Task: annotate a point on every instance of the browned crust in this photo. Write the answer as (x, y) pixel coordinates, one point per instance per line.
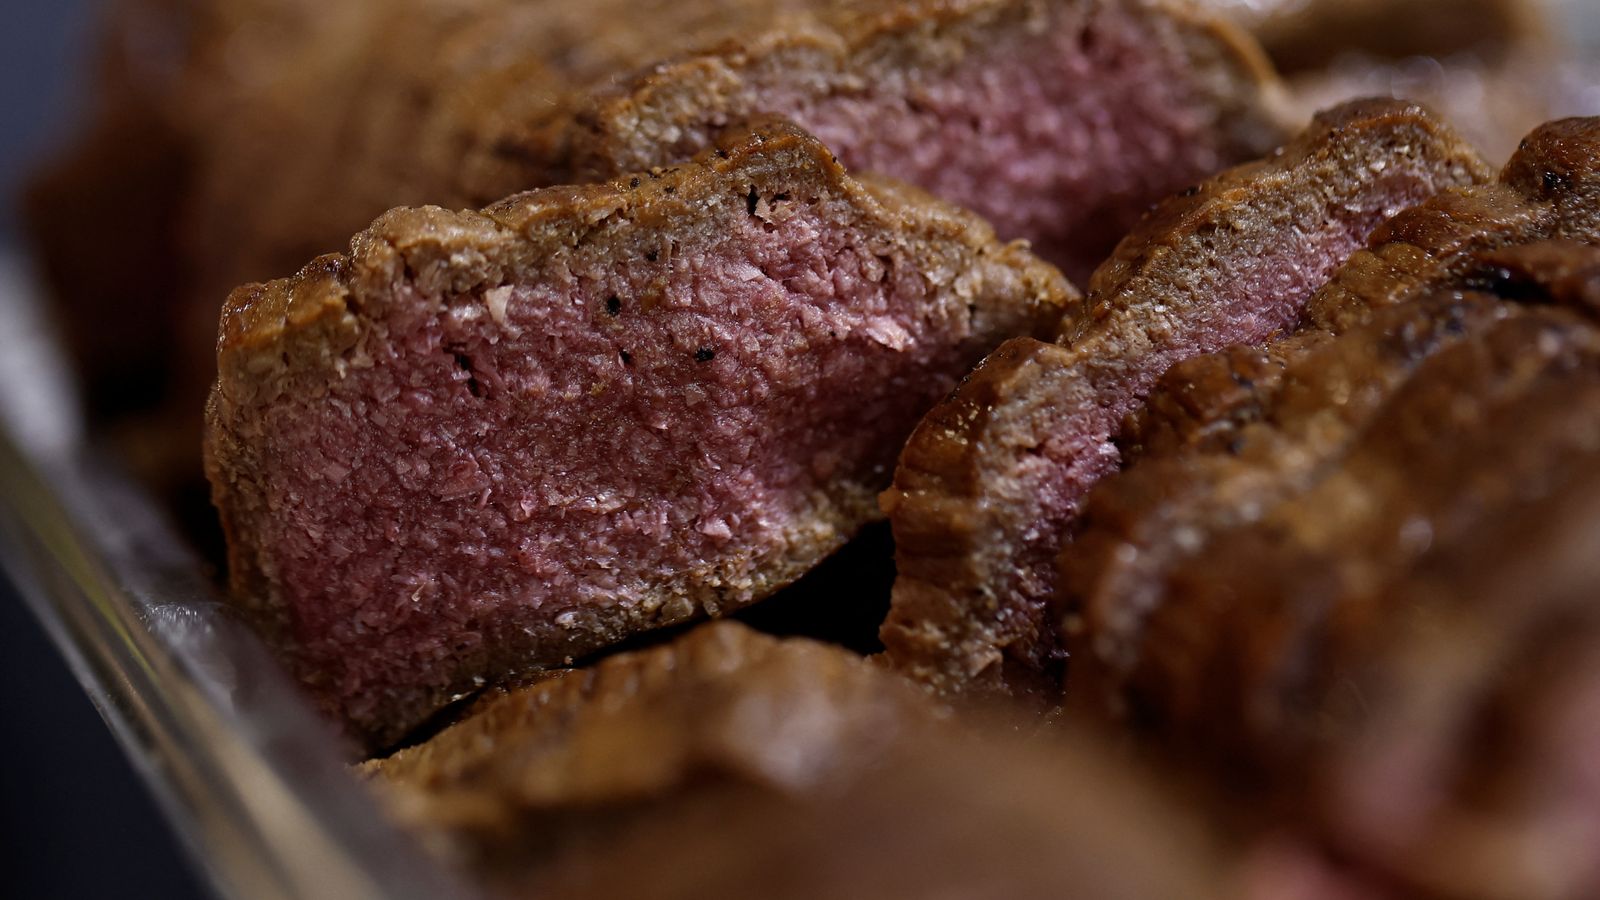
(461, 105)
(730, 764)
(304, 326)
(1567, 271)
(1268, 438)
(1202, 402)
(664, 107)
(1196, 440)
(1156, 247)
(574, 740)
(572, 762)
(455, 251)
(952, 624)
(1303, 655)
(947, 626)
(1549, 189)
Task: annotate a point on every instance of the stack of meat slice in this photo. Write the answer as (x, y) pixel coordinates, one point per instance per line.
(1196, 420)
(731, 764)
(280, 127)
(1353, 572)
(1307, 35)
(483, 443)
(993, 478)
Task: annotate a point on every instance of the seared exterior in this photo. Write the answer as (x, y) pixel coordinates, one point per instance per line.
(272, 130)
(991, 481)
(730, 764)
(1379, 622)
(1549, 189)
(490, 442)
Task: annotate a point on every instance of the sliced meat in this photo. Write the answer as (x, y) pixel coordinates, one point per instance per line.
(1472, 771)
(729, 764)
(1550, 189)
(1060, 120)
(1280, 433)
(1398, 656)
(1213, 464)
(585, 748)
(489, 442)
(987, 824)
(993, 478)
(1563, 272)
(1517, 402)
(1203, 402)
(1450, 241)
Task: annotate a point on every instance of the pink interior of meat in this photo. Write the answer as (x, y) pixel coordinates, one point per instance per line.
(1255, 296)
(1065, 137)
(524, 457)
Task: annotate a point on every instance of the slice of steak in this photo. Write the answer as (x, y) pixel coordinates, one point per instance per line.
(1563, 272)
(1225, 436)
(1447, 242)
(488, 442)
(1257, 620)
(1161, 512)
(1203, 402)
(999, 823)
(1059, 122)
(1549, 189)
(731, 764)
(1400, 659)
(586, 748)
(1461, 756)
(992, 479)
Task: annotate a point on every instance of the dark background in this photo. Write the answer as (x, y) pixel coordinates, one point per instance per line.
(77, 821)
